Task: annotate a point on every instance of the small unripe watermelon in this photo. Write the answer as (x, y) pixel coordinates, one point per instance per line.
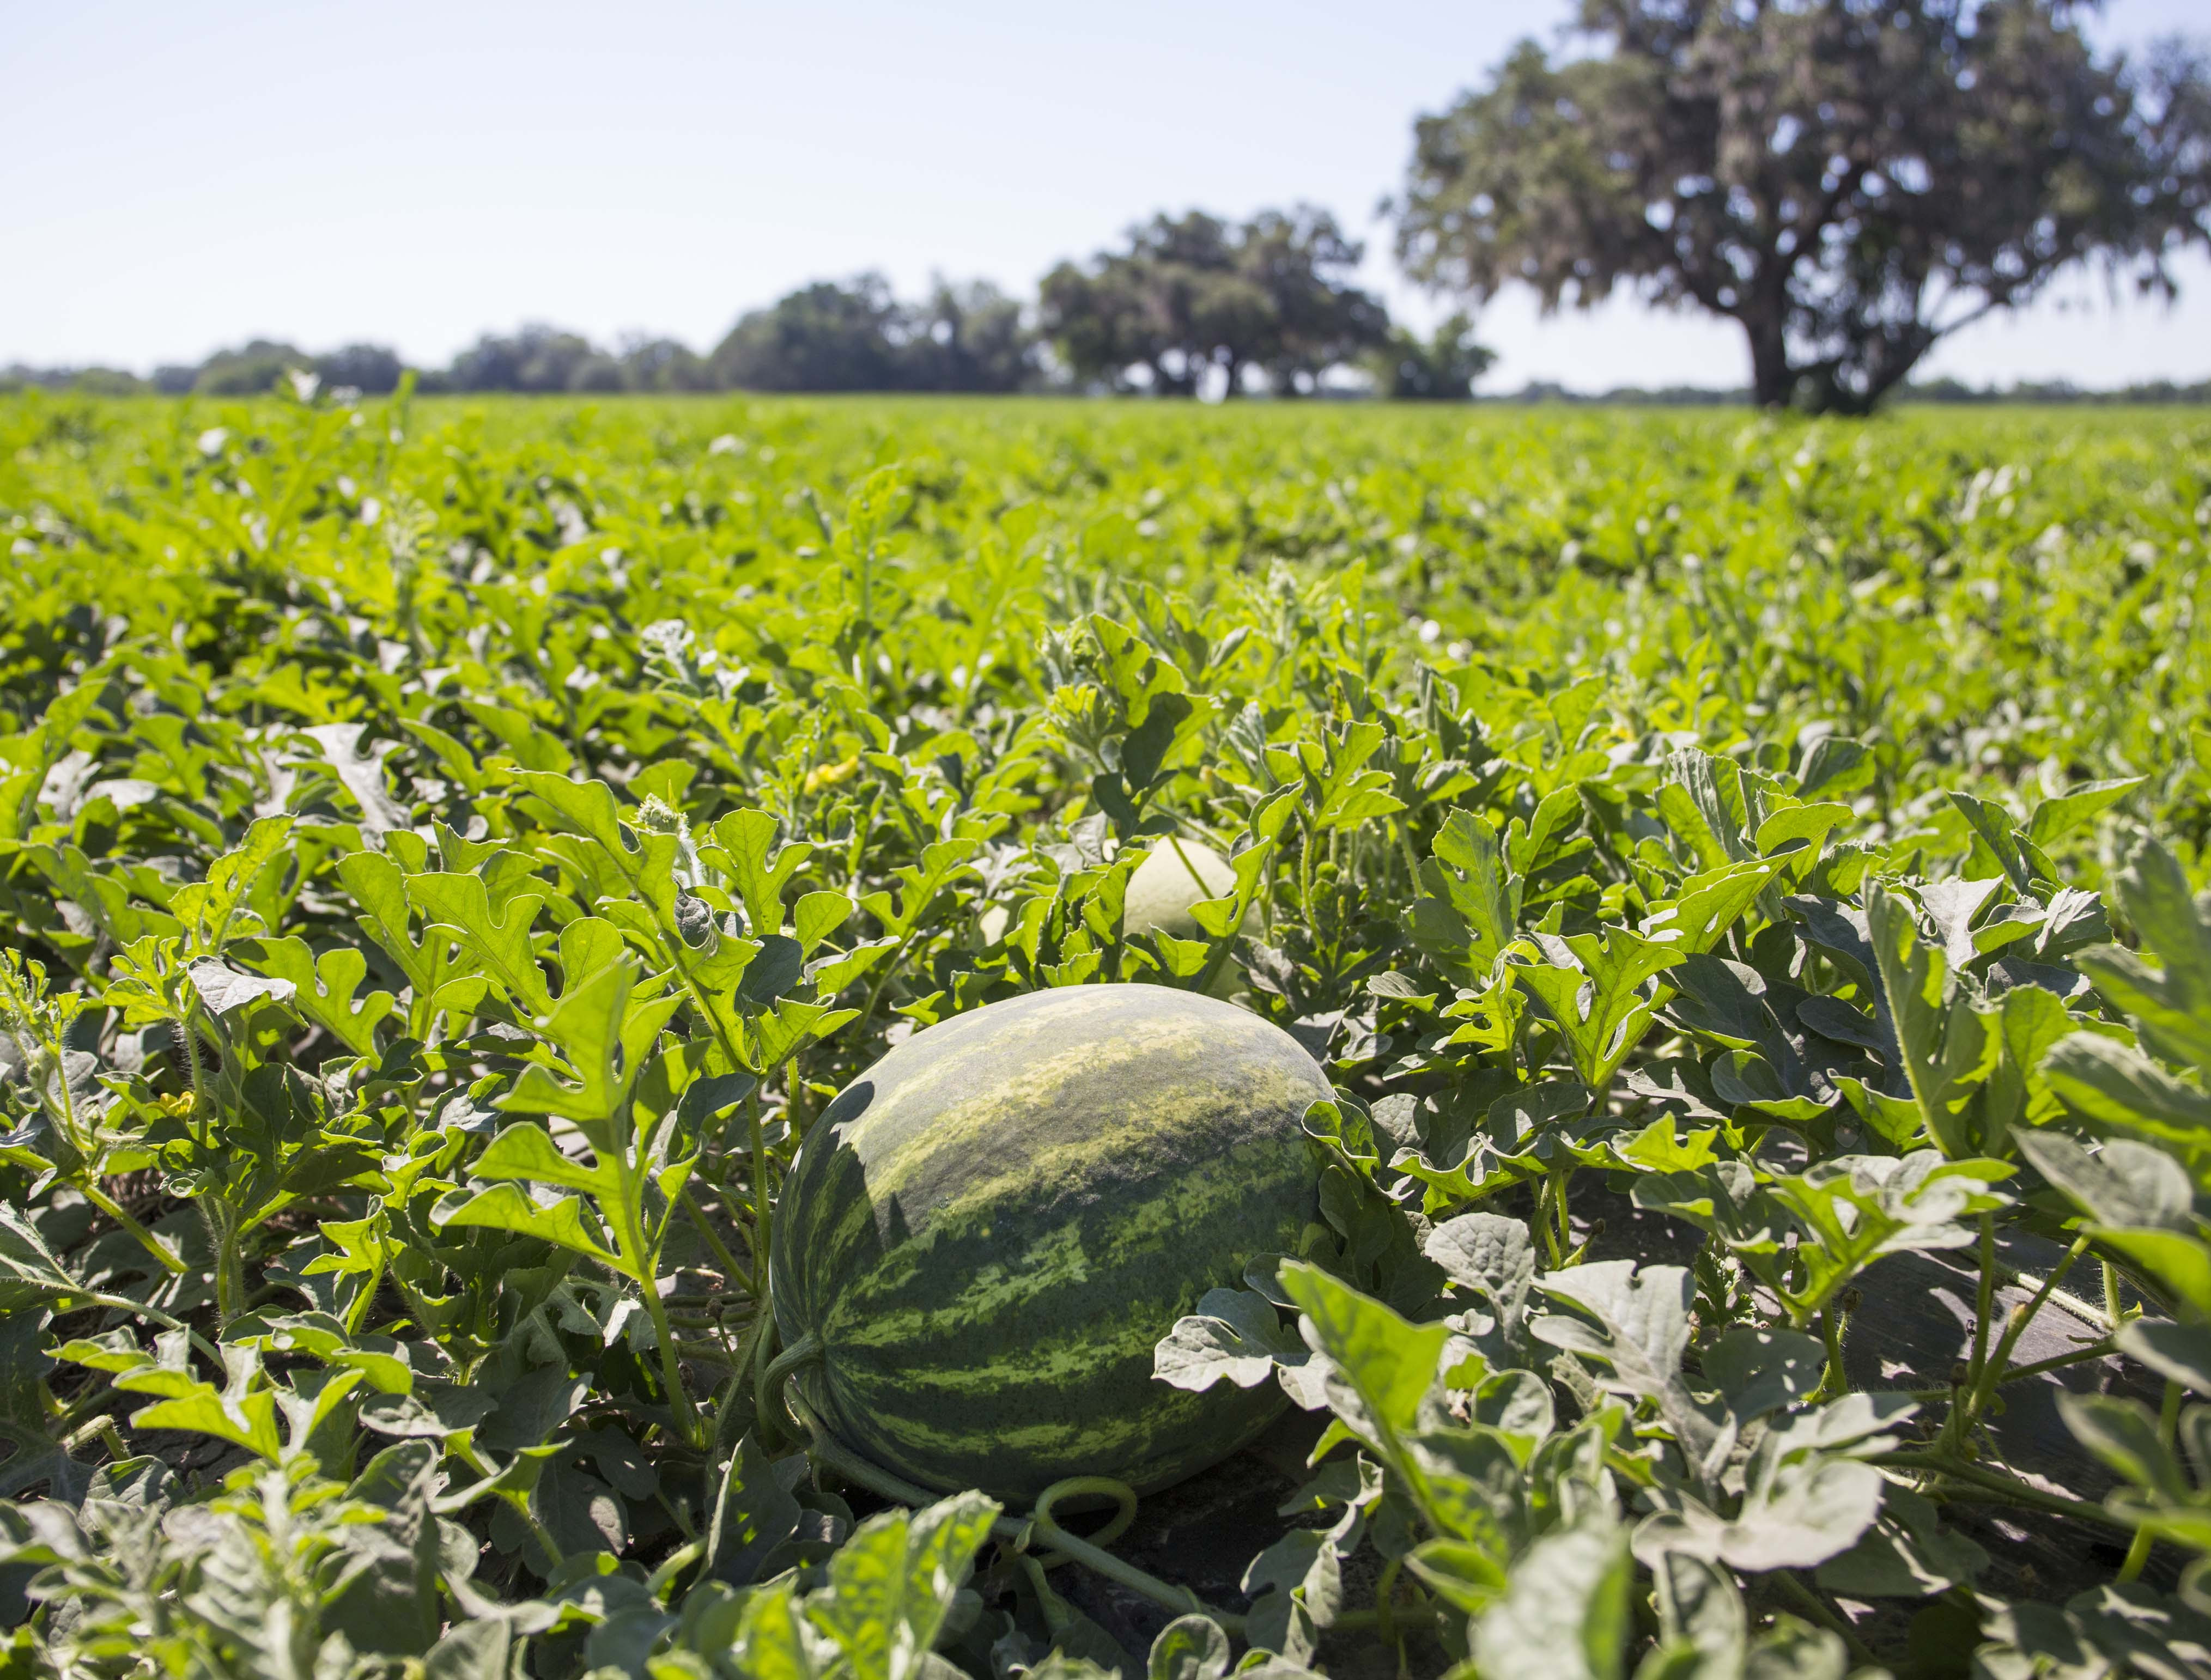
(988, 1231)
(1177, 874)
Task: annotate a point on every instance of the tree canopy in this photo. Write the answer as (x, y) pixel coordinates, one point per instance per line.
(824, 337)
(1848, 181)
(1195, 295)
(855, 335)
(537, 358)
(1439, 368)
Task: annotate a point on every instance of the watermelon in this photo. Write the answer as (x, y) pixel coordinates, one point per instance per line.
(1177, 874)
(987, 1232)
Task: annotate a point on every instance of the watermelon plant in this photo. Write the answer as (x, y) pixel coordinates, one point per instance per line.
(539, 936)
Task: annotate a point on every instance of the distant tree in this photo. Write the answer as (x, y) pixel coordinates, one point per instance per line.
(1303, 264)
(538, 358)
(250, 369)
(84, 381)
(173, 379)
(664, 364)
(1195, 296)
(969, 337)
(1849, 179)
(1172, 304)
(106, 382)
(824, 337)
(1440, 368)
(599, 373)
(371, 369)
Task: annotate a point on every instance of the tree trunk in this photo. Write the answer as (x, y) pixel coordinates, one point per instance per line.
(1904, 348)
(1773, 381)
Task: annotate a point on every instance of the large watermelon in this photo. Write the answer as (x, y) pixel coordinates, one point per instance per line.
(990, 1229)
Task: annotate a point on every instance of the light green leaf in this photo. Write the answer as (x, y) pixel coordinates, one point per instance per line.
(2180, 1352)
(499, 944)
(1699, 915)
(2125, 1183)
(324, 988)
(1702, 801)
(1467, 1576)
(2057, 817)
(1906, 1554)
(891, 1584)
(2170, 1005)
(1234, 1336)
(2109, 1086)
(509, 1207)
(1389, 1362)
(525, 1152)
(2023, 864)
(246, 1420)
(1468, 910)
(1640, 1331)
(818, 914)
(1592, 989)
(775, 1641)
(1190, 1648)
(1566, 1613)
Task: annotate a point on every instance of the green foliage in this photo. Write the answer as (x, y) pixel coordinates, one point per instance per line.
(1194, 296)
(449, 856)
(1826, 177)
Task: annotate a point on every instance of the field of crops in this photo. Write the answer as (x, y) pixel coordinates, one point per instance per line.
(1737, 876)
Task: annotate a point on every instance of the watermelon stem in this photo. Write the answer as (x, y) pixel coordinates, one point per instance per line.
(1180, 1599)
(1019, 1533)
(763, 1214)
(1077, 1487)
(806, 1350)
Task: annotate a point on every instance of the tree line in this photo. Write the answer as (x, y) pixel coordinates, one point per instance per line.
(1849, 181)
(1187, 303)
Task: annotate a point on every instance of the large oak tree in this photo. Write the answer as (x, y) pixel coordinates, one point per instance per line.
(1849, 180)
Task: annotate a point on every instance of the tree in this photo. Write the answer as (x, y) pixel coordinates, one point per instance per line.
(1849, 179)
(538, 358)
(1195, 296)
(250, 369)
(823, 337)
(1441, 368)
(969, 337)
(370, 369)
(83, 381)
(1302, 264)
(664, 364)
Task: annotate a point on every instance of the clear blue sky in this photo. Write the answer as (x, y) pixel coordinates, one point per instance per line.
(177, 177)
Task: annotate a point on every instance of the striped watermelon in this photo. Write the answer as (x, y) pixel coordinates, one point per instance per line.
(990, 1229)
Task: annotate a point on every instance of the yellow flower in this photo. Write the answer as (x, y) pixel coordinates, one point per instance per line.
(828, 775)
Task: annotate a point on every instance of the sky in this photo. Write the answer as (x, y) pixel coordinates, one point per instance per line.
(178, 178)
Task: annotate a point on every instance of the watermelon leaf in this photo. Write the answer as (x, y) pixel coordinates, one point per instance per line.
(1635, 1326)
(1389, 1362)
(1566, 1610)
(508, 1207)
(1235, 1336)
(1592, 989)
(753, 1514)
(892, 1584)
(1190, 1648)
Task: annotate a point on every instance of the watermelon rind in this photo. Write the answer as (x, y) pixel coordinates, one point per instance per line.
(988, 1231)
